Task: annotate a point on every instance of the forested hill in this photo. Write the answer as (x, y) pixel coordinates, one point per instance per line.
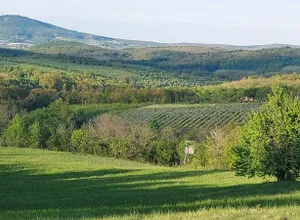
(211, 62)
(19, 32)
(197, 64)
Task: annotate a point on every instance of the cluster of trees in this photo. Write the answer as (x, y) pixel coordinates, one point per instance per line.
(206, 63)
(220, 94)
(254, 87)
(56, 128)
(32, 88)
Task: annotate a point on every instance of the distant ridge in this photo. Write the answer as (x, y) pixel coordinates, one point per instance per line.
(22, 32)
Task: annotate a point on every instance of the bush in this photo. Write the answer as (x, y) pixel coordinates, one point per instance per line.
(215, 152)
(79, 141)
(270, 140)
(14, 135)
(165, 152)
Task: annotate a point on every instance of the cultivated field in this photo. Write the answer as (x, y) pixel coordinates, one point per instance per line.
(191, 117)
(39, 184)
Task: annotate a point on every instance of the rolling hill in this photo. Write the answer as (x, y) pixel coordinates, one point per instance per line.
(200, 61)
(21, 32)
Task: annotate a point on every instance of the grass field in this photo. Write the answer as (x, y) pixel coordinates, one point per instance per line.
(50, 65)
(39, 184)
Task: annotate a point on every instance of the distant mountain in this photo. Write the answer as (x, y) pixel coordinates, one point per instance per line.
(21, 32)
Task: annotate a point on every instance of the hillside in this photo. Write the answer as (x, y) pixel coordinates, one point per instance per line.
(22, 32)
(161, 66)
(184, 118)
(39, 184)
(197, 61)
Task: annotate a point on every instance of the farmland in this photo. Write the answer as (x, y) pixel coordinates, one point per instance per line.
(39, 184)
(201, 117)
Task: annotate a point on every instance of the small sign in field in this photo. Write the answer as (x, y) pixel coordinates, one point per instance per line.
(189, 149)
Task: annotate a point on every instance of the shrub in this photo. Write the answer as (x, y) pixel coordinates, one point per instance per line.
(14, 135)
(270, 140)
(79, 141)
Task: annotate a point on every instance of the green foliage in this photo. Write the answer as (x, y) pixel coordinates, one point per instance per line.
(79, 141)
(270, 143)
(14, 135)
(215, 152)
(34, 135)
(46, 128)
(7, 112)
(121, 139)
(165, 152)
(220, 94)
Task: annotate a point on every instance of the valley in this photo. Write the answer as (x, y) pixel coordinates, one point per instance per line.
(96, 127)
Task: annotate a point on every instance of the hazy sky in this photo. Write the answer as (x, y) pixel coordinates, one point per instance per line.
(240, 22)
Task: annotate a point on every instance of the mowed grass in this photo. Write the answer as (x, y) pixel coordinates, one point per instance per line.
(40, 184)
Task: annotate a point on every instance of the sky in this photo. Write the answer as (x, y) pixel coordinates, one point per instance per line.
(237, 22)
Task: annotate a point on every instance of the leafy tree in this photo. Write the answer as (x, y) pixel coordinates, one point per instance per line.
(14, 135)
(79, 141)
(165, 152)
(35, 135)
(5, 112)
(270, 140)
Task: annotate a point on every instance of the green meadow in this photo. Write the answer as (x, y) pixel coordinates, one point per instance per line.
(53, 65)
(41, 184)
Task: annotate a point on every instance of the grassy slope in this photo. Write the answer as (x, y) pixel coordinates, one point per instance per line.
(51, 65)
(37, 184)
